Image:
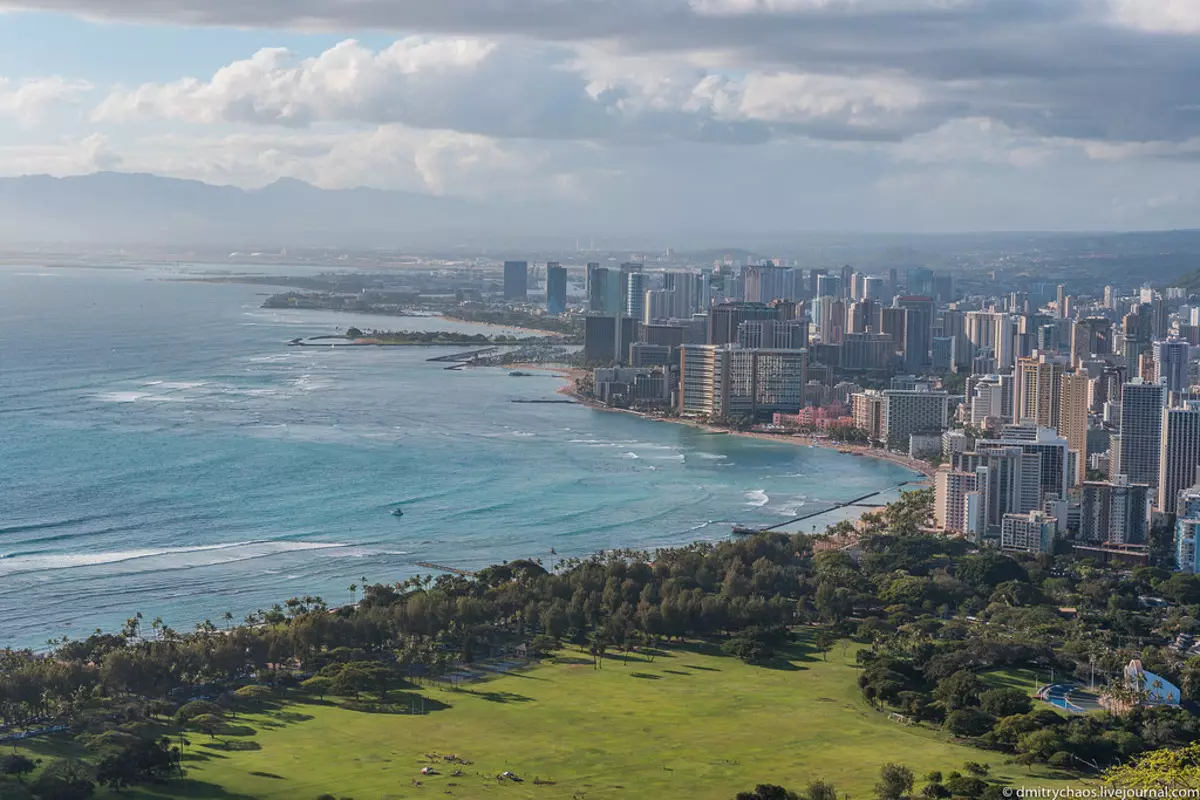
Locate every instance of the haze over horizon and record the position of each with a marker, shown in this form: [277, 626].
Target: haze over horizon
[685, 116]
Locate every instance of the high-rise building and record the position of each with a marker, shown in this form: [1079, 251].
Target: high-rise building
[724, 319]
[906, 412]
[828, 286]
[920, 281]
[957, 502]
[1114, 512]
[942, 354]
[724, 381]
[1171, 360]
[814, 279]
[599, 338]
[1187, 530]
[791, 334]
[1179, 455]
[1052, 450]
[991, 400]
[1074, 397]
[635, 295]
[918, 331]
[594, 279]
[873, 288]
[847, 281]
[1038, 383]
[1138, 452]
[516, 280]
[556, 288]
[1028, 533]
[1009, 482]
[867, 351]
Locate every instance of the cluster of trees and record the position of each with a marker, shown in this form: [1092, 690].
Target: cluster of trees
[896, 782]
[935, 614]
[519, 319]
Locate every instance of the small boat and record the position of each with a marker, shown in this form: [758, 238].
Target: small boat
[398, 512]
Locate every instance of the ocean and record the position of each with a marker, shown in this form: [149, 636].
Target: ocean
[162, 450]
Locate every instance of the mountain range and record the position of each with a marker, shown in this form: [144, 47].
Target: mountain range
[125, 208]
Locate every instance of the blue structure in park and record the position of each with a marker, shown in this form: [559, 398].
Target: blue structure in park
[1158, 690]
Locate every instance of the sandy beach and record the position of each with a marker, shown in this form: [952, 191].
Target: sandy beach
[922, 467]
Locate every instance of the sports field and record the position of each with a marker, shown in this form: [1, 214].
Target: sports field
[689, 723]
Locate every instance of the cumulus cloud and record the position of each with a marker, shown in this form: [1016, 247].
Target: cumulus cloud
[29, 100]
[521, 90]
[719, 70]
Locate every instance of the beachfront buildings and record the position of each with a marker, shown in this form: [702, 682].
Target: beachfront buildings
[893, 415]
[731, 382]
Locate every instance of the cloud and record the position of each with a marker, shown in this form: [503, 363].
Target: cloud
[739, 71]
[29, 100]
[521, 90]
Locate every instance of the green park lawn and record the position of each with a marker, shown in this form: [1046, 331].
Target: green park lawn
[690, 723]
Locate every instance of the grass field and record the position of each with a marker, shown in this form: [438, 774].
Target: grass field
[690, 723]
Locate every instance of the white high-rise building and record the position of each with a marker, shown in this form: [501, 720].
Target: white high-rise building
[957, 504]
[1028, 533]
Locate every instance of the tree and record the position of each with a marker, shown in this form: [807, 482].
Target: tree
[825, 640]
[960, 690]
[1005, 702]
[64, 780]
[209, 723]
[1171, 768]
[17, 765]
[768, 791]
[969, 722]
[965, 786]
[116, 771]
[895, 782]
[820, 790]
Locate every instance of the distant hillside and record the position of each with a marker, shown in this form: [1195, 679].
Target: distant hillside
[1189, 281]
[109, 207]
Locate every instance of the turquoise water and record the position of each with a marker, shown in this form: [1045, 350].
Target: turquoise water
[163, 451]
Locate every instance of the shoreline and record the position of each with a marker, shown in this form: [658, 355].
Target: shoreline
[927, 471]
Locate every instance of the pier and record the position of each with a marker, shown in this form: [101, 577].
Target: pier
[856, 502]
[442, 568]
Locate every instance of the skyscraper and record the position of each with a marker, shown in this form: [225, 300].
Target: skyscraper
[1073, 418]
[1116, 512]
[1180, 454]
[556, 288]
[1138, 454]
[918, 331]
[828, 286]
[635, 295]
[597, 280]
[1171, 359]
[516, 280]
[724, 319]
[1039, 381]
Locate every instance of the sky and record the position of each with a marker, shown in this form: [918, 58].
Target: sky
[831, 115]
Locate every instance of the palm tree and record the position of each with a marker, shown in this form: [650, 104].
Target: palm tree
[228, 620]
[353, 593]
